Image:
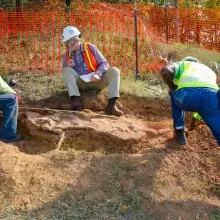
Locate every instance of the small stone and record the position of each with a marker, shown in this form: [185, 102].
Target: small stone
[124, 208]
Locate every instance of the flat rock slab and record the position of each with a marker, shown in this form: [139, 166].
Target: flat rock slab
[87, 131]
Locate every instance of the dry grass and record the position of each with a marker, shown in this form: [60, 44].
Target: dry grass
[33, 87]
[78, 185]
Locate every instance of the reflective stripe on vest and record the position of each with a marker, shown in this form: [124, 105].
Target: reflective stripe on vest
[68, 56]
[90, 59]
[196, 75]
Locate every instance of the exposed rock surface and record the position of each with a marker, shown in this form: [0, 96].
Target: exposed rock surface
[92, 131]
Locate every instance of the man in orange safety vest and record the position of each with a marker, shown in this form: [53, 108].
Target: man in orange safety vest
[85, 67]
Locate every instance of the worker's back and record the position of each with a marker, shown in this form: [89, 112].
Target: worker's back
[192, 74]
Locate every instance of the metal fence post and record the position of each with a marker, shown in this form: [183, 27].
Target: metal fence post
[137, 73]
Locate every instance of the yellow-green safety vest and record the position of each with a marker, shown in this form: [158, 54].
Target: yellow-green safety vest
[192, 74]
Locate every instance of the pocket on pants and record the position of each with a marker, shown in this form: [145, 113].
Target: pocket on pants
[212, 101]
[183, 99]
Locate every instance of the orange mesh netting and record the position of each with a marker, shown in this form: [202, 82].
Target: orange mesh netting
[30, 40]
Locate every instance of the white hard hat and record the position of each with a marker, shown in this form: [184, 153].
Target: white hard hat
[70, 32]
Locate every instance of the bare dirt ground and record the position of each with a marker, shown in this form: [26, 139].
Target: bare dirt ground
[160, 180]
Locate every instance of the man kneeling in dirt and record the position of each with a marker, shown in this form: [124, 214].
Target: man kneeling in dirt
[193, 87]
[85, 67]
[9, 106]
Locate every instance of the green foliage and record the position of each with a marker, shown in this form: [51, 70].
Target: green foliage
[215, 215]
[11, 4]
[212, 4]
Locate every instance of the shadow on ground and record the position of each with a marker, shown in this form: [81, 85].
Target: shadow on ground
[124, 187]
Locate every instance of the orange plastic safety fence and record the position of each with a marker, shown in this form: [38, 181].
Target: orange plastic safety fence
[31, 41]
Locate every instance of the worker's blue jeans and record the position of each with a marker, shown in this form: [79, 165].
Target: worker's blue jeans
[9, 106]
[205, 101]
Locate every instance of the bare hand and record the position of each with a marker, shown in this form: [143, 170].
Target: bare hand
[95, 78]
[70, 63]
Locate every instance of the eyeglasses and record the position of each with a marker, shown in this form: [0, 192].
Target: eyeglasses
[71, 40]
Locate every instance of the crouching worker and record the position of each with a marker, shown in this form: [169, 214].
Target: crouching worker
[9, 106]
[84, 67]
[193, 88]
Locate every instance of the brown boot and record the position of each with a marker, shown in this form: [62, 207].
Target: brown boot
[111, 108]
[77, 104]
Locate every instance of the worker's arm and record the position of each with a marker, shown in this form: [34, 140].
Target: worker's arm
[103, 64]
[5, 88]
[168, 74]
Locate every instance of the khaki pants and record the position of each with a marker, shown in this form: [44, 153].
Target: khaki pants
[110, 78]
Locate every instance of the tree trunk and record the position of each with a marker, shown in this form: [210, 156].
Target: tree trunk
[68, 3]
[18, 5]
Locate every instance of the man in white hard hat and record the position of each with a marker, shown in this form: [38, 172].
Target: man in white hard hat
[85, 67]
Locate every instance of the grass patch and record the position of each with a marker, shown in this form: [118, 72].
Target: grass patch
[151, 87]
[215, 188]
[178, 51]
[214, 215]
[34, 88]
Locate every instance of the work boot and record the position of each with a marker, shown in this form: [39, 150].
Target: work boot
[111, 108]
[77, 104]
[180, 136]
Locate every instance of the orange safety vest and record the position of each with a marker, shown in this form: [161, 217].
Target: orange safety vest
[90, 59]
